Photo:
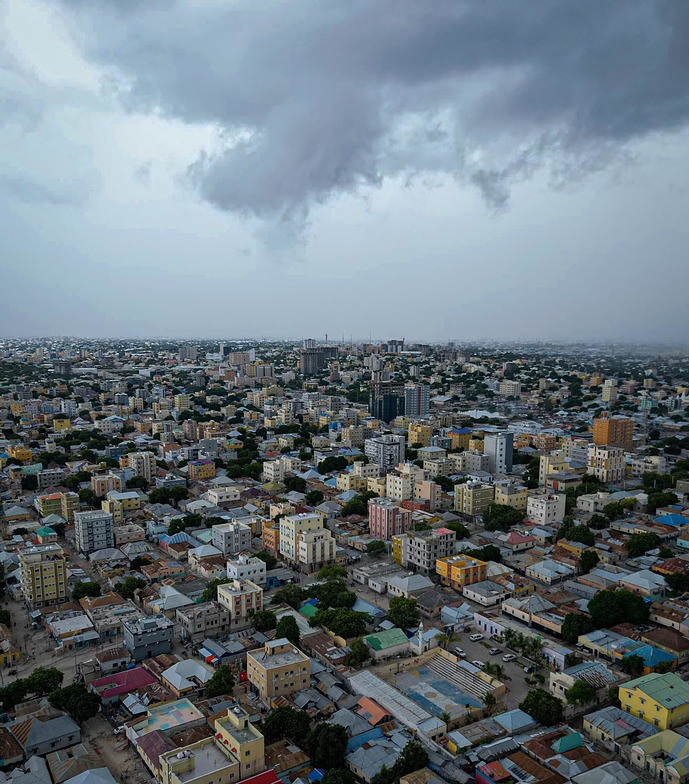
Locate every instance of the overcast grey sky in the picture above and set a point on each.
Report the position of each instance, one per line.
(432, 170)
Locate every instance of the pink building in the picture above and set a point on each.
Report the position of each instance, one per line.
(386, 518)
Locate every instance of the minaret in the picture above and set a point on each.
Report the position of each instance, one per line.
(420, 633)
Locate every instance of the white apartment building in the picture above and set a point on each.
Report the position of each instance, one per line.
(223, 495)
(143, 464)
(93, 531)
(231, 538)
(546, 508)
(606, 463)
(385, 451)
(305, 542)
(242, 600)
(273, 471)
(247, 568)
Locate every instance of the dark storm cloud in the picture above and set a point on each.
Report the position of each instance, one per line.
(318, 98)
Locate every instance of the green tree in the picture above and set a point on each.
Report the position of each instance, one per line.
(338, 776)
(341, 621)
(220, 683)
(461, 531)
(608, 608)
(137, 482)
(326, 744)
(640, 544)
(581, 693)
(582, 534)
(287, 627)
(359, 653)
(314, 497)
(295, 484)
(86, 589)
(500, 517)
(44, 680)
(403, 612)
(413, 757)
(542, 706)
(15, 692)
(332, 572)
(376, 547)
(290, 594)
(210, 592)
(589, 560)
(270, 560)
(159, 495)
(657, 500)
(77, 701)
(574, 625)
(178, 493)
(129, 586)
(287, 723)
(139, 561)
(632, 665)
(489, 552)
(264, 620)
(358, 505)
(332, 464)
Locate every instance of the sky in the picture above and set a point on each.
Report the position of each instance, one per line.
(435, 171)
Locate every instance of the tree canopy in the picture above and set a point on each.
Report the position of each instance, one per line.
(544, 707)
(500, 517)
(220, 683)
(287, 627)
(403, 612)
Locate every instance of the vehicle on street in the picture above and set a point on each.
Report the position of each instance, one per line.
(459, 652)
(508, 657)
(528, 670)
(476, 637)
(478, 663)
(494, 651)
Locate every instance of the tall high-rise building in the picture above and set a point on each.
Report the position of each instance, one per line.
(93, 531)
(313, 358)
(416, 400)
(142, 463)
(386, 400)
(387, 519)
(386, 451)
(614, 431)
(187, 353)
(499, 448)
(43, 575)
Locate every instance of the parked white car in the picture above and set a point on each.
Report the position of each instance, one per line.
(476, 637)
(509, 657)
(478, 663)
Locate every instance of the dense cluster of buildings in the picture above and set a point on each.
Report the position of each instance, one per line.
(493, 493)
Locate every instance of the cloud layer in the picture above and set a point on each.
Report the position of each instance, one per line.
(318, 98)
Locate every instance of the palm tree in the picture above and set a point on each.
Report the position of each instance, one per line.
(445, 639)
(509, 636)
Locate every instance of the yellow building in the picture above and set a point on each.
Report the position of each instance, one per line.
(43, 575)
(61, 423)
(306, 542)
(102, 484)
(21, 453)
(242, 599)
(460, 437)
(277, 669)
(460, 570)
(120, 504)
(420, 434)
(614, 431)
(63, 504)
(473, 498)
(351, 482)
(476, 444)
(182, 402)
(607, 463)
(511, 495)
(201, 470)
(659, 699)
(377, 485)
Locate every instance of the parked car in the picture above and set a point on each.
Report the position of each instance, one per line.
(459, 652)
(494, 651)
(478, 663)
(508, 657)
(528, 670)
(476, 637)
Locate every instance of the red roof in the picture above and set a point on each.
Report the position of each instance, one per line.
(267, 777)
(122, 682)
